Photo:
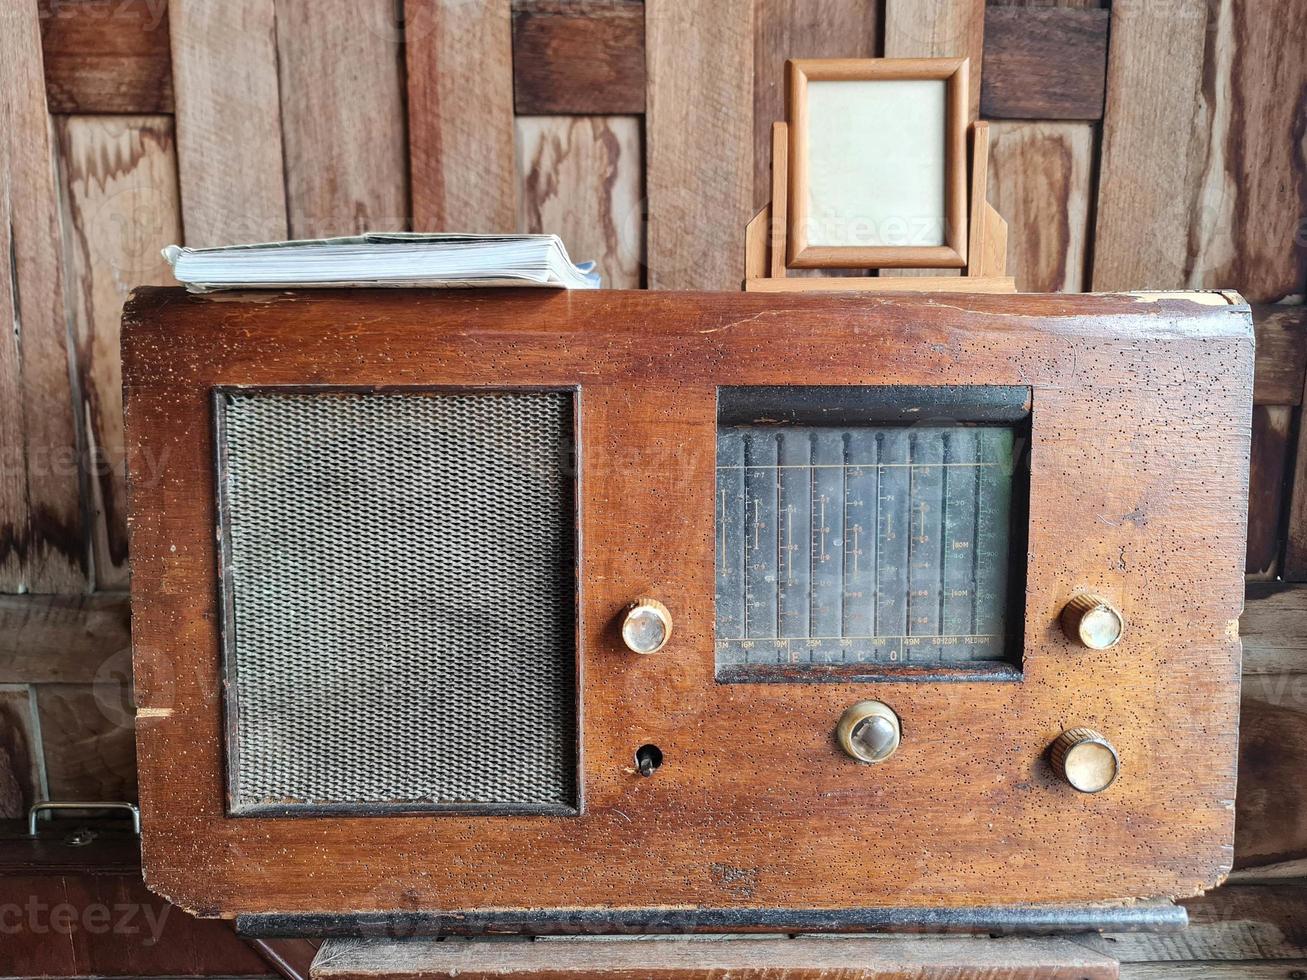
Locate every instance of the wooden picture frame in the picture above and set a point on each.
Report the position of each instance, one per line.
(931, 230)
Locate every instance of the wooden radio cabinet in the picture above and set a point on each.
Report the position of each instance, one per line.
(536, 611)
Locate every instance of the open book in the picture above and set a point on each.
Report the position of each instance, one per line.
(384, 259)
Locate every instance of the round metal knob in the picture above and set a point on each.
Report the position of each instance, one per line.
(869, 731)
(1085, 759)
(1093, 622)
(646, 626)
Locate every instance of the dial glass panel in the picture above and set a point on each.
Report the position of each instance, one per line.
(851, 548)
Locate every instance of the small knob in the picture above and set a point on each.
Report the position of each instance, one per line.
(869, 731)
(1085, 759)
(1092, 621)
(646, 626)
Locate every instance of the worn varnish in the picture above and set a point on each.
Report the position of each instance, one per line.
(754, 806)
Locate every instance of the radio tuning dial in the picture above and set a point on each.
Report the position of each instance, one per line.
(1085, 759)
(869, 731)
(646, 626)
(1093, 622)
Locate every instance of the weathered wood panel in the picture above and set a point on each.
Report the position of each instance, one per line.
(1044, 63)
(699, 140)
(62, 639)
(43, 541)
(1281, 970)
(1271, 825)
(581, 57)
(22, 776)
(581, 179)
(1240, 922)
(938, 29)
(785, 29)
(1039, 180)
(1148, 174)
(1250, 220)
(1272, 438)
(738, 958)
(460, 115)
(342, 117)
(106, 57)
(1281, 354)
(229, 150)
(120, 204)
(87, 733)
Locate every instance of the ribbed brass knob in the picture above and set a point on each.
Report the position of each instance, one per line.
(646, 626)
(1093, 621)
(1085, 759)
(869, 731)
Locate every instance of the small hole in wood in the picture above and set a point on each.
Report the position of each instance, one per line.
(647, 759)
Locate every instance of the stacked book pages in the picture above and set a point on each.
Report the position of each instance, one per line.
(384, 259)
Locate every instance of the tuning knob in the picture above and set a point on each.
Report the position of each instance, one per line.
(1085, 759)
(646, 626)
(869, 731)
(1093, 622)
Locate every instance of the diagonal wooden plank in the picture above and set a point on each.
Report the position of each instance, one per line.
(1039, 180)
(342, 117)
(229, 149)
(119, 178)
(47, 550)
(1148, 176)
(460, 115)
(699, 134)
(581, 179)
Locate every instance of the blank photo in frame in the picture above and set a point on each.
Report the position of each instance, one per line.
(878, 160)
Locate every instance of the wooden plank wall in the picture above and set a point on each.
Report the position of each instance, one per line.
(1135, 144)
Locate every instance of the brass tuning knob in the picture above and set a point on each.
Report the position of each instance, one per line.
(1085, 759)
(1093, 622)
(646, 626)
(869, 731)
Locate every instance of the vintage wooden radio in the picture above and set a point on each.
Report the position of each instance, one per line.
(544, 612)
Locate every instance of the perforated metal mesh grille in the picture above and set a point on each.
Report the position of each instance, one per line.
(401, 598)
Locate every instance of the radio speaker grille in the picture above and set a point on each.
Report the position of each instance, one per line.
(400, 600)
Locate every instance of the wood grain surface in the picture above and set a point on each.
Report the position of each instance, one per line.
(939, 29)
(460, 115)
(120, 202)
(1040, 177)
(229, 148)
(581, 180)
(699, 140)
(785, 29)
(340, 64)
(22, 772)
(1149, 170)
(796, 825)
(690, 959)
(102, 57)
(1250, 216)
(43, 539)
(578, 56)
(61, 639)
(1048, 63)
(1273, 432)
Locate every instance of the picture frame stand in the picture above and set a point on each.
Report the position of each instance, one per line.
(765, 269)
